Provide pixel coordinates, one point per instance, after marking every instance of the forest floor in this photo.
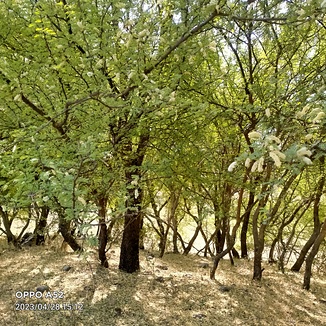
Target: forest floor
(175, 290)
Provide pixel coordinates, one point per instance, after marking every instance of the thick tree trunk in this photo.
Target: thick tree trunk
(129, 255)
(103, 232)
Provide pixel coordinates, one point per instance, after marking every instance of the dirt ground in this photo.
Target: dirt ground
(175, 290)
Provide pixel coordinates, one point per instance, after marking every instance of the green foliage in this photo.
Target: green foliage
(205, 98)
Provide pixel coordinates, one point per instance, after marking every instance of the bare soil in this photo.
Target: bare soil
(175, 290)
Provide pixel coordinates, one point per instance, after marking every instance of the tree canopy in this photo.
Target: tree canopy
(154, 114)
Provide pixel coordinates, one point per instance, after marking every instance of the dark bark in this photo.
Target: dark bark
(142, 235)
(258, 253)
(103, 232)
(41, 225)
(286, 245)
(226, 251)
(192, 240)
(285, 222)
(174, 204)
(163, 241)
(65, 229)
(317, 225)
(305, 249)
(311, 256)
(235, 253)
(259, 231)
(245, 224)
(226, 205)
(7, 222)
(230, 238)
(221, 236)
(259, 239)
(208, 242)
(129, 253)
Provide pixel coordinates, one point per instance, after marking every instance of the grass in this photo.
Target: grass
(174, 290)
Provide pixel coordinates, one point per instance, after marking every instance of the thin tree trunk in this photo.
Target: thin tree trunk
(174, 205)
(245, 224)
(207, 248)
(297, 265)
(259, 232)
(286, 222)
(259, 243)
(231, 238)
(142, 235)
(192, 240)
(311, 256)
(103, 232)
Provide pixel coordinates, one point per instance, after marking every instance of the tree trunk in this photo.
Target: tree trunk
(142, 234)
(311, 256)
(174, 204)
(192, 240)
(129, 252)
(235, 253)
(285, 222)
(163, 240)
(65, 230)
(7, 222)
(103, 232)
(207, 248)
(109, 230)
(297, 265)
(299, 262)
(221, 236)
(259, 242)
(259, 232)
(41, 225)
(230, 238)
(245, 224)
